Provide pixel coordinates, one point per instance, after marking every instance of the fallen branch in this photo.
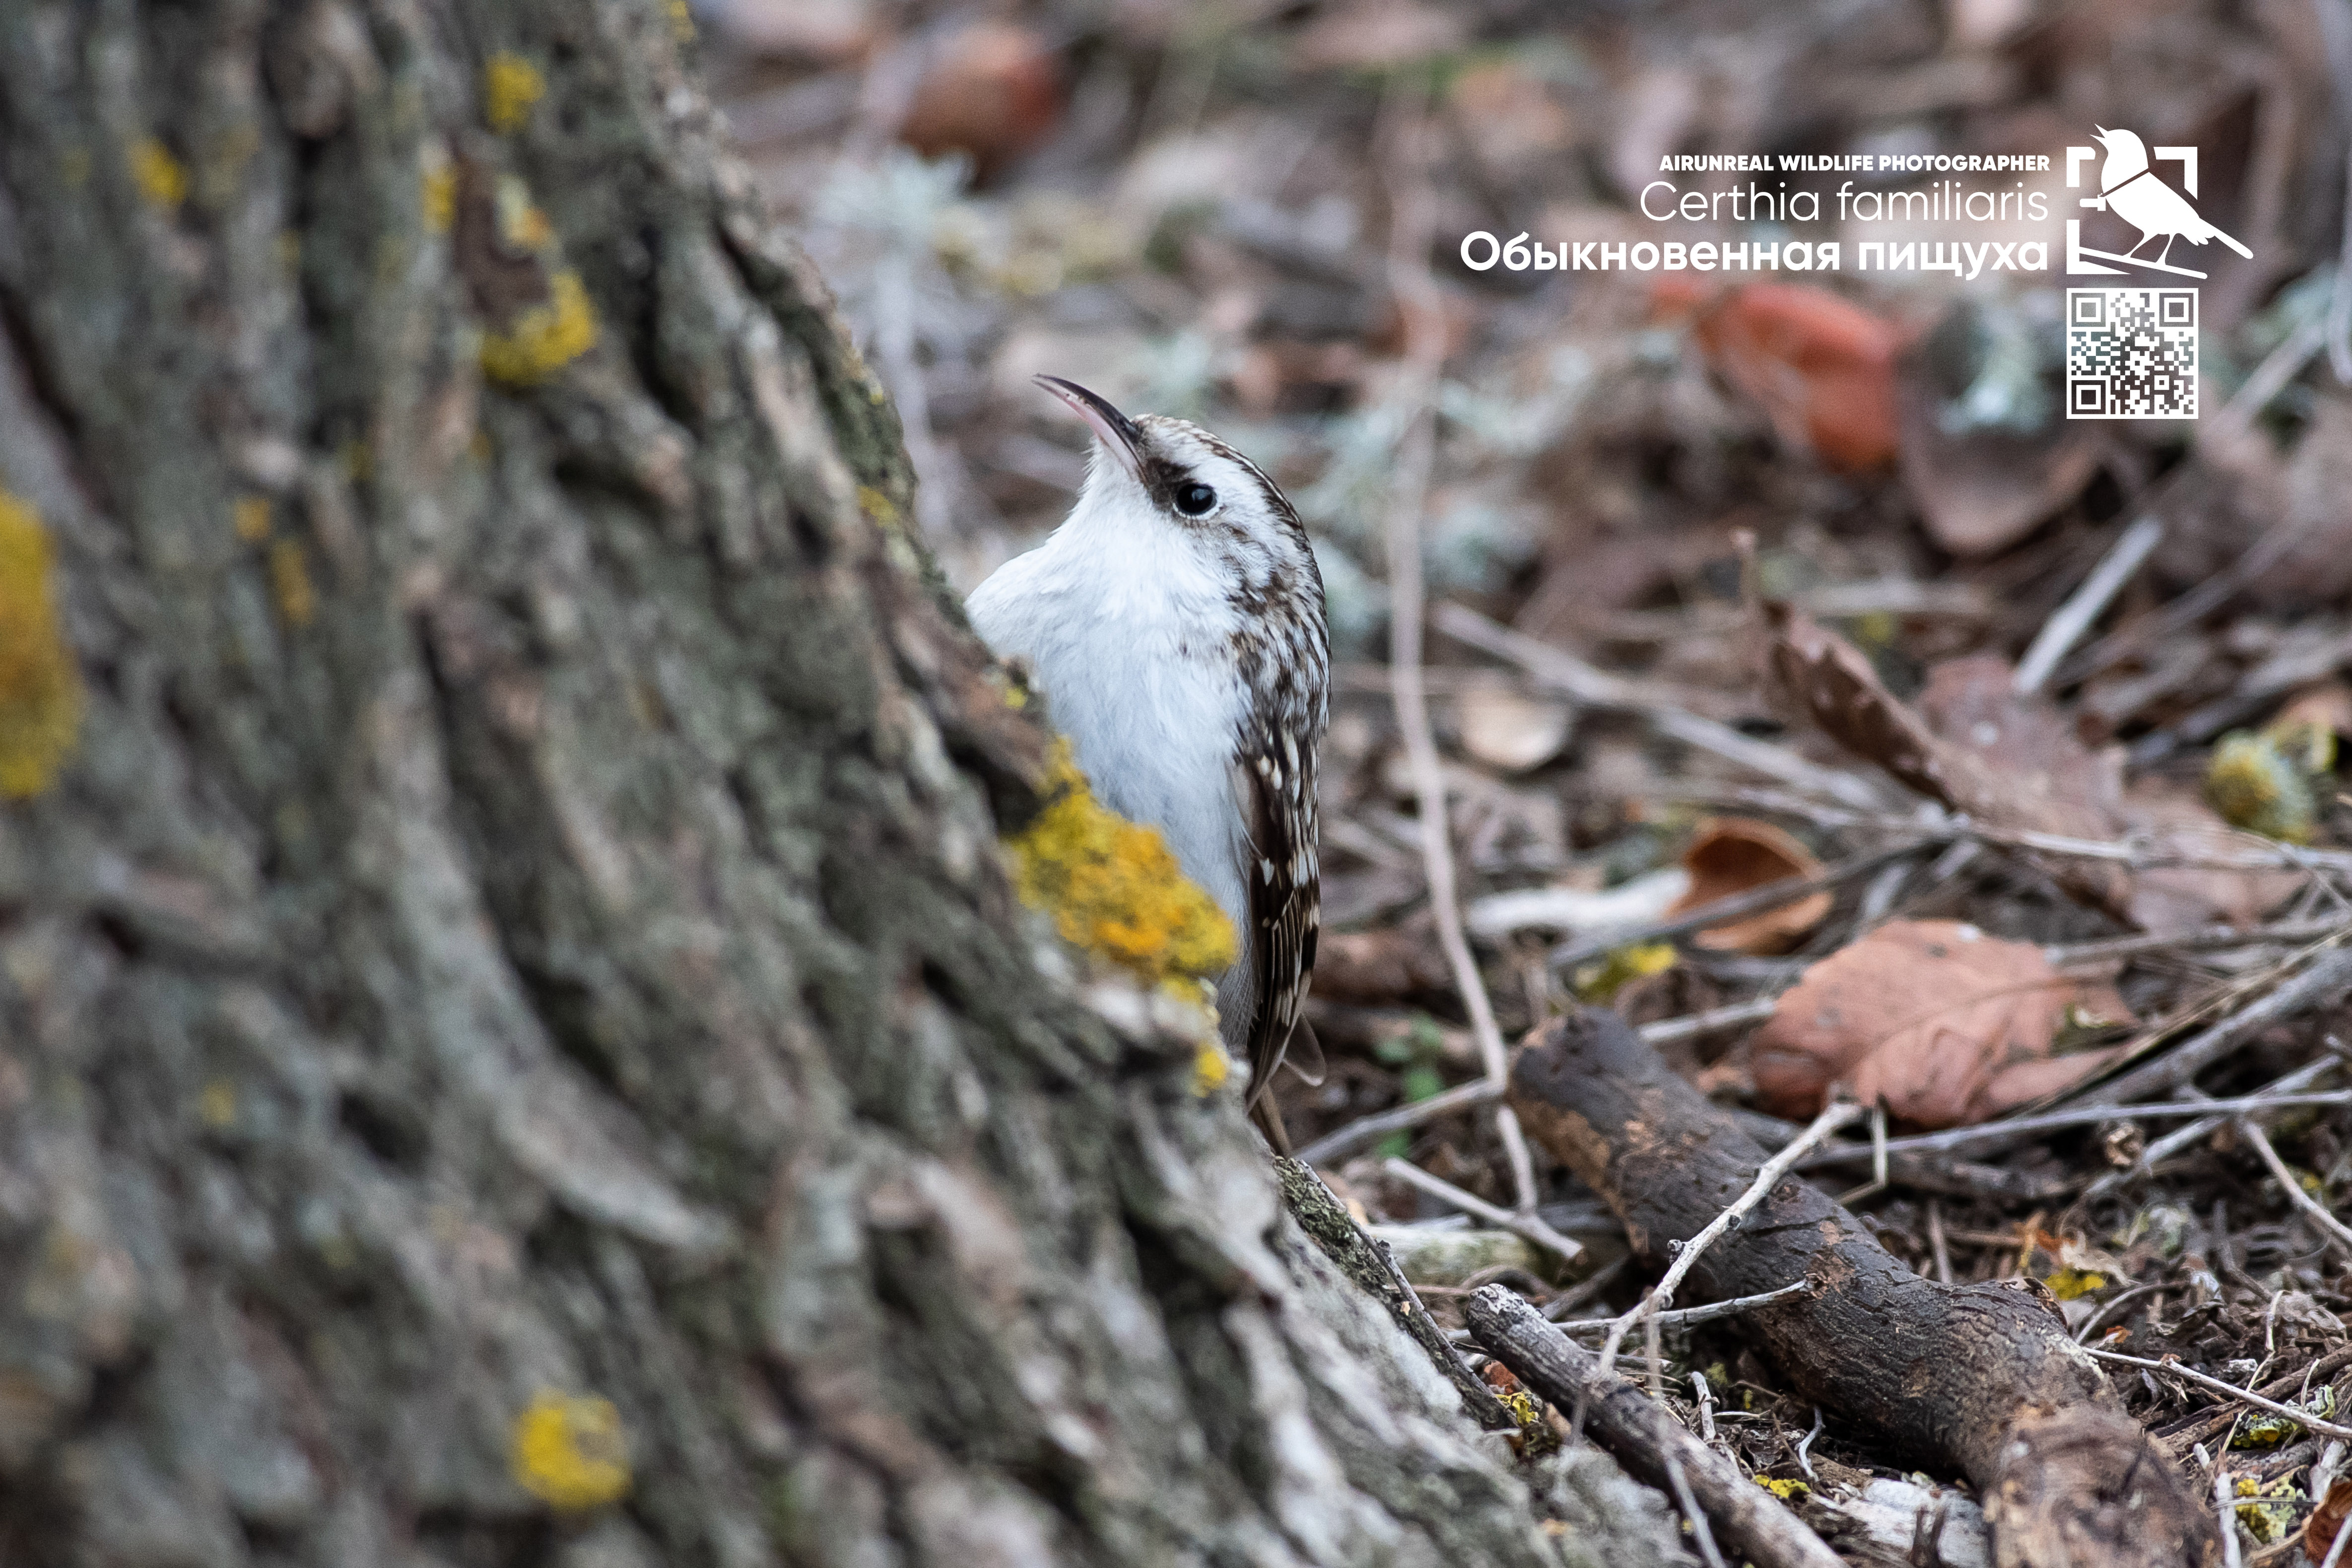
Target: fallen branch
(1643, 1436)
(1980, 1379)
(1688, 1252)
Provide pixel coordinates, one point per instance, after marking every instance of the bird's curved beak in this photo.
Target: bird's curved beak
(1116, 432)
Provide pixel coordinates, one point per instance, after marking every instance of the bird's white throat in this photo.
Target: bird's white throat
(1126, 622)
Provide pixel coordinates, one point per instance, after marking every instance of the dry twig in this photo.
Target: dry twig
(2246, 1395)
(1529, 1225)
(1573, 677)
(2333, 1229)
(2073, 618)
(1413, 206)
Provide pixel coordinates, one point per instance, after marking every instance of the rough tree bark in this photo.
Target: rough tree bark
(515, 1044)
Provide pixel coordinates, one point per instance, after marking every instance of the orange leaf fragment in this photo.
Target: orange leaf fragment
(1823, 367)
(1731, 855)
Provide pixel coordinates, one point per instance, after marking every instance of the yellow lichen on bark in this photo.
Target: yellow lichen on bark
(1211, 1069)
(1113, 887)
(568, 1451)
(544, 338)
(249, 515)
(510, 85)
(436, 196)
(160, 177)
(40, 690)
(289, 583)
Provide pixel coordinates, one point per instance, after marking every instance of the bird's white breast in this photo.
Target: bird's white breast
(1127, 629)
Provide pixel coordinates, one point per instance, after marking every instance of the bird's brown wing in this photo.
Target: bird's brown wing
(1286, 908)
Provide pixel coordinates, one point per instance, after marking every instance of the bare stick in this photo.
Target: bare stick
(2210, 939)
(1701, 1534)
(1380, 1124)
(1576, 1296)
(1527, 1225)
(1768, 1177)
(2333, 1228)
(2084, 1116)
(1936, 1242)
(2187, 1137)
(2281, 365)
(1412, 207)
(2084, 604)
(1692, 1026)
(1571, 677)
(2224, 1500)
(1641, 1434)
(2282, 536)
(2329, 973)
(2303, 1418)
(1691, 1317)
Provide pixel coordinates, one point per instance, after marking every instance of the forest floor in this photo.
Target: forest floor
(1727, 580)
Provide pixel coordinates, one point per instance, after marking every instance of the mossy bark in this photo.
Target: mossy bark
(513, 976)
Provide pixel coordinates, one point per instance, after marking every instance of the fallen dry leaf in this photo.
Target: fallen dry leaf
(1506, 729)
(1821, 366)
(2007, 761)
(992, 90)
(1944, 1025)
(2320, 1530)
(1732, 855)
(2013, 762)
(1984, 490)
(2175, 822)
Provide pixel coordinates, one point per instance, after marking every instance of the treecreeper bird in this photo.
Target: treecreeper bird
(1174, 623)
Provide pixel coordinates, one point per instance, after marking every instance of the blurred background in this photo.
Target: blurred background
(1251, 214)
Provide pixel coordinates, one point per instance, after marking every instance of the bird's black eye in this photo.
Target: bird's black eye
(1194, 499)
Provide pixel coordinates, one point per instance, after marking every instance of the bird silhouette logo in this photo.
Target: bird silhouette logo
(2130, 186)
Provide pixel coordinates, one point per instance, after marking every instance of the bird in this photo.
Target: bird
(1175, 623)
(2128, 185)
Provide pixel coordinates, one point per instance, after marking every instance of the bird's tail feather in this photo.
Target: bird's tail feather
(1268, 1117)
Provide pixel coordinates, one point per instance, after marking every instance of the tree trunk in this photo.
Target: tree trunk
(515, 1043)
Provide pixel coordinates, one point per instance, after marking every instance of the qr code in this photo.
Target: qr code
(2131, 353)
